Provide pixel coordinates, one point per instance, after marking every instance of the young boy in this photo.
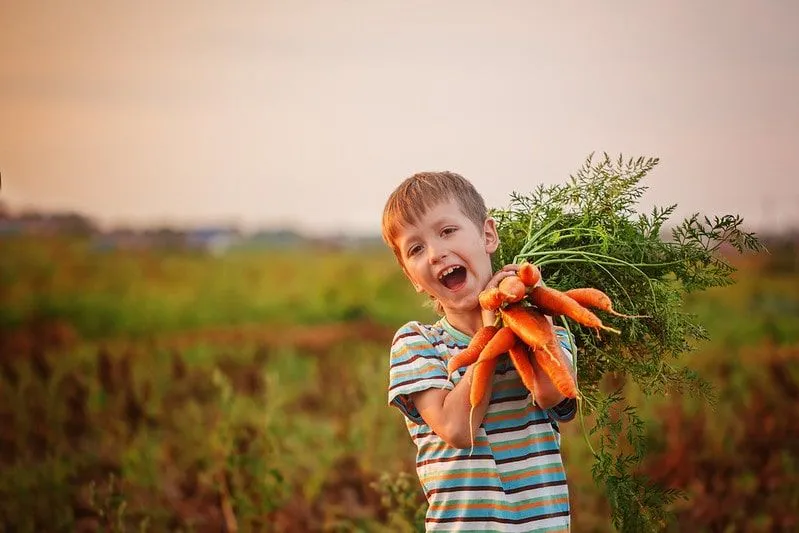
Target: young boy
(513, 480)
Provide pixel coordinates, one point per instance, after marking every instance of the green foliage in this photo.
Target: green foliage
(153, 438)
(298, 423)
(135, 293)
(109, 503)
(587, 233)
(401, 496)
(302, 431)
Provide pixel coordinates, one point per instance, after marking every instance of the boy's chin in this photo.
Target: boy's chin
(463, 306)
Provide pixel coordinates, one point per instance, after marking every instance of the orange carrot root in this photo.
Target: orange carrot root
(529, 274)
(520, 357)
(530, 325)
(482, 376)
(490, 299)
(512, 289)
(483, 373)
(559, 372)
(555, 302)
(470, 354)
(594, 298)
(471, 431)
(498, 344)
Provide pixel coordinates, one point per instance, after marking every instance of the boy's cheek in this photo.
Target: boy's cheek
(408, 275)
(416, 285)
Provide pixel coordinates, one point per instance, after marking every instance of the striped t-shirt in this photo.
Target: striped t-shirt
(514, 479)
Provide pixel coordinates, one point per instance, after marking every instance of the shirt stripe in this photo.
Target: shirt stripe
(514, 479)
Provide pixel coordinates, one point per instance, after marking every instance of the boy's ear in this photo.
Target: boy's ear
(490, 235)
(416, 286)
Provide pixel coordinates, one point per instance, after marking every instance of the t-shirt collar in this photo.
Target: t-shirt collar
(456, 334)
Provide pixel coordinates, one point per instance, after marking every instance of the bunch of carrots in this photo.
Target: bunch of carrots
(523, 331)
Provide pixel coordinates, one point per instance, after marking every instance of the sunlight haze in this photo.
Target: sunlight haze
(306, 114)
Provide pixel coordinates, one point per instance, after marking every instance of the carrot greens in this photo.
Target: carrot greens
(587, 232)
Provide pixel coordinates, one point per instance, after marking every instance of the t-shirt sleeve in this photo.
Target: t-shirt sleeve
(566, 409)
(565, 343)
(416, 365)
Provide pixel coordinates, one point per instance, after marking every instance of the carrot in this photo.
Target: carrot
(536, 331)
(470, 354)
(500, 343)
(529, 274)
(490, 299)
(484, 368)
(520, 357)
(512, 289)
(555, 302)
(530, 325)
(482, 375)
(591, 297)
(557, 368)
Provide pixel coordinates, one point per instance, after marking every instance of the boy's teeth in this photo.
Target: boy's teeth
(447, 271)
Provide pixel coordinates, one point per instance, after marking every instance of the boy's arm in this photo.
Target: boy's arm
(447, 411)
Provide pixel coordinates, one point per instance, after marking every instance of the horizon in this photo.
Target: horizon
(104, 227)
(307, 114)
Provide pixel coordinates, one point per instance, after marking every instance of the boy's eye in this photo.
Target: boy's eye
(413, 250)
(447, 231)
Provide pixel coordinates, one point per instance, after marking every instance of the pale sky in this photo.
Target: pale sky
(308, 113)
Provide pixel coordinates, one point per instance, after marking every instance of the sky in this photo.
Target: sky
(306, 114)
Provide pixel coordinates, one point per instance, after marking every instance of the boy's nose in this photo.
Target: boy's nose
(435, 254)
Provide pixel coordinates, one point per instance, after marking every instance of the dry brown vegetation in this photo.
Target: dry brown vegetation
(283, 426)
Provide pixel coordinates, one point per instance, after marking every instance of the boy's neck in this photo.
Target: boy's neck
(467, 324)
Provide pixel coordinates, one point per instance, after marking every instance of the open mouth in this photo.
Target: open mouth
(453, 278)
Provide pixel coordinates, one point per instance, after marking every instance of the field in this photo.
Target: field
(167, 391)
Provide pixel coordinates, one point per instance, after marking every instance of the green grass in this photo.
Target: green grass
(136, 293)
(131, 427)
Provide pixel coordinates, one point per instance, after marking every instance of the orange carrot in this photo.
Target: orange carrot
(520, 357)
(529, 274)
(482, 375)
(490, 299)
(483, 372)
(529, 325)
(555, 302)
(557, 368)
(591, 297)
(497, 345)
(470, 354)
(512, 289)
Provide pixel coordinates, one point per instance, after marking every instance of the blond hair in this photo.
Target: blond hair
(423, 191)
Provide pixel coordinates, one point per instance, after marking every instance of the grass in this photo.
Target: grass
(137, 293)
(152, 391)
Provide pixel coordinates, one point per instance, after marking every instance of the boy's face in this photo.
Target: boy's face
(447, 256)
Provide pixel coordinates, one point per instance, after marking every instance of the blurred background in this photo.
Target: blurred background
(195, 304)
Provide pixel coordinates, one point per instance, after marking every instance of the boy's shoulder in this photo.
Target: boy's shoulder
(417, 328)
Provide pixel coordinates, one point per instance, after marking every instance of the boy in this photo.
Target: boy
(437, 225)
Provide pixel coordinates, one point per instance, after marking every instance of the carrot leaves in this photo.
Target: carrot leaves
(587, 232)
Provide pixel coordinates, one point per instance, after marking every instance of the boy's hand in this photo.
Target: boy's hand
(489, 317)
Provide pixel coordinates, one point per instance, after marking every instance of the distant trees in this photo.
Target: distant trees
(34, 223)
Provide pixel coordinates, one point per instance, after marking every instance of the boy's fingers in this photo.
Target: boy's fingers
(499, 276)
(502, 275)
